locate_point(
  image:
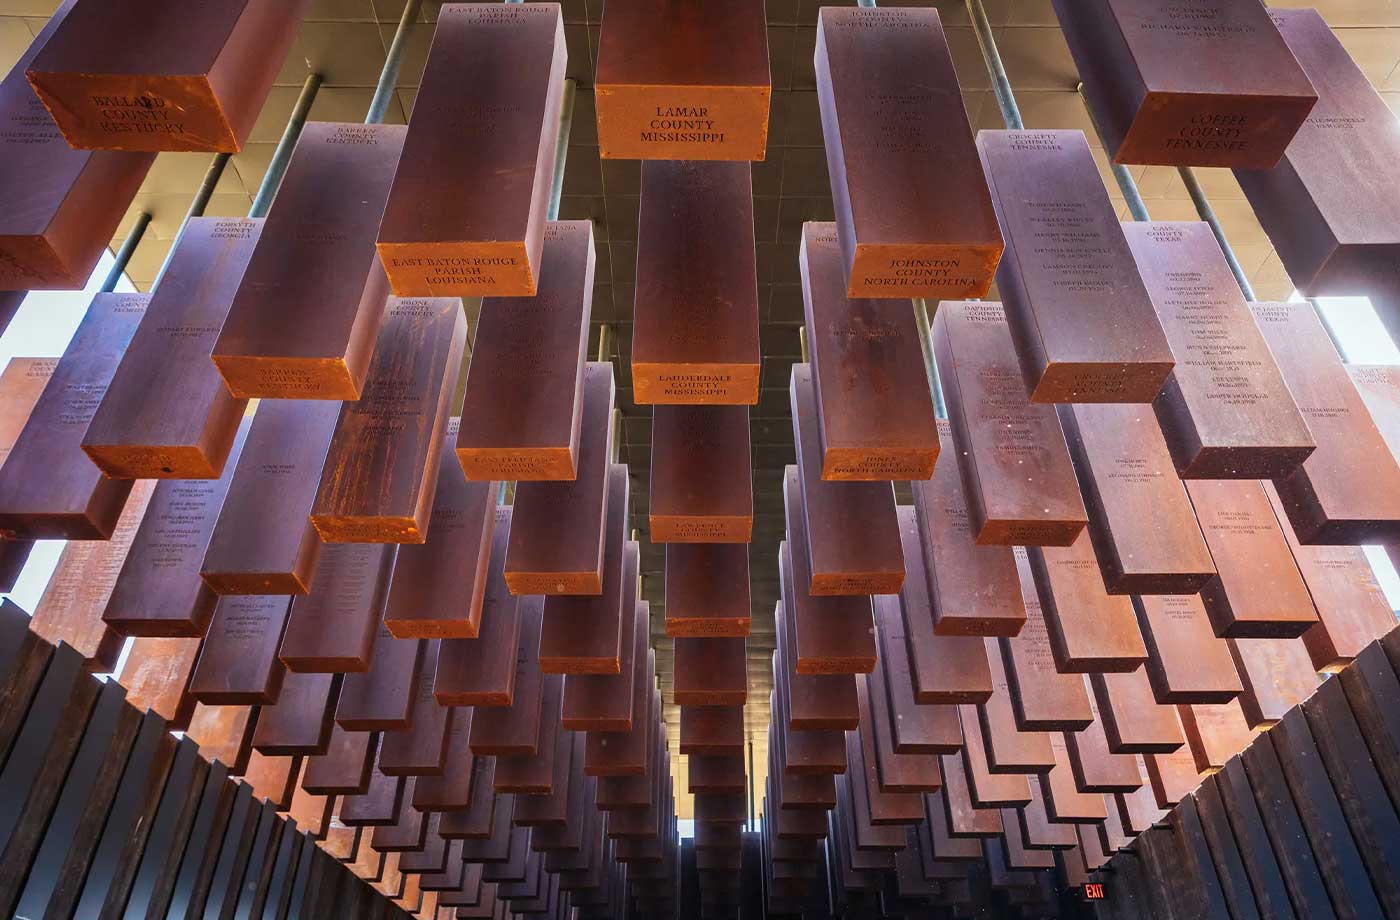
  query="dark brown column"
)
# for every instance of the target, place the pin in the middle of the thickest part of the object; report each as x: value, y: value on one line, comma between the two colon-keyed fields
x: 1090, y: 630
x: 1226, y: 411
x: 680, y: 82
x: 304, y: 321
x: 1257, y: 590
x: 1141, y: 525
x: 439, y: 585
x: 850, y: 532
x: 557, y: 538
x: 1165, y: 90
x: 49, y: 489
x: 701, y: 475
x: 129, y: 76
x: 332, y: 627
x: 159, y: 591
x: 931, y: 232
x: 481, y: 671
x: 466, y: 216
x: 380, y: 475
x: 695, y: 329
x: 524, y: 388
x: 1017, y: 476
x: 973, y: 589
x: 263, y: 541
x: 1084, y: 325
x: 63, y: 205
x: 1332, y: 218
x: 1348, y: 490
x: 166, y: 413
x: 862, y: 352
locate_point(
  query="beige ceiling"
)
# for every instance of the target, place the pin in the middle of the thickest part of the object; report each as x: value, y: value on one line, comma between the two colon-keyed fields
x: 345, y: 41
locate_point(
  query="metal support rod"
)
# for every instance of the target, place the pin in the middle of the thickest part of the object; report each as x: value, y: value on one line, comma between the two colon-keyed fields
x: 389, y: 76
x: 1126, y: 184
x: 1207, y: 213
x: 753, y: 825
x: 212, y: 175
x: 272, y: 179
x: 561, y: 149
x: 133, y: 239
x: 1001, y: 83
x: 940, y: 408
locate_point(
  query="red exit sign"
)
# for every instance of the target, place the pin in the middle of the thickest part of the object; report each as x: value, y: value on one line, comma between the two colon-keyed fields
x: 1093, y: 891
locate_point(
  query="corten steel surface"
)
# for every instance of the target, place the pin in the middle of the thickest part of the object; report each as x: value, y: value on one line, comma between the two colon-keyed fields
x: 451, y: 788
x: 380, y: 476
x: 898, y: 772
x: 1186, y: 663
x: 439, y: 584
x: 1089, y: 629
x: 466, y: 216
x: 1329, y: 206
x: 524, y: 386
x: 167, y: 414
x: 1166, y: 87
x: 1172, y: 776
x: 421, y: 749
x: 1277, y: 675
x: 583, y: 634
x: 965, y: 817
x: 380, y: 699
x: 911, y: 201
x: 301, y: 720
x: 695, y: 325
x: 62, y: 205
x: 304, y: 321
x: 707, y: 589
x: 683, y: 81
x: 1226, y: 411
x: 1017, y: 477
x: 850, y: 538
x: 1134, y: 722
x: 159, y: 591
x: 1348, y: 490
x: 1215, y: 733
x: 710, y: 671
x: 224, y: 733
x: 1083, y: 323
x: 70, y: 609
x: 21, y: 385
x: 1095, y: 767
x: 603, y: 702
x: 701, y: 478
x: 558, y: 539
x: 973, y: 589
x: 874, y: 409
x: 481, y: 671
x: 49, y: 489
x: 1064, y: 801
x: 332, y: 627
x: 1044, y: 698
x: 514, y: 729
x: 916, y: 728
x: 132, y: 75
x: 238, y: 662
x: 945, y: 668
x: 1257, y: 590
x: 831, y: 634
x: 263, y: 541
x: 1351, y: 608
x: 1141, y: 524
x: 810, y: 702
x: 155, y: 676
x: 1007, y: 748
